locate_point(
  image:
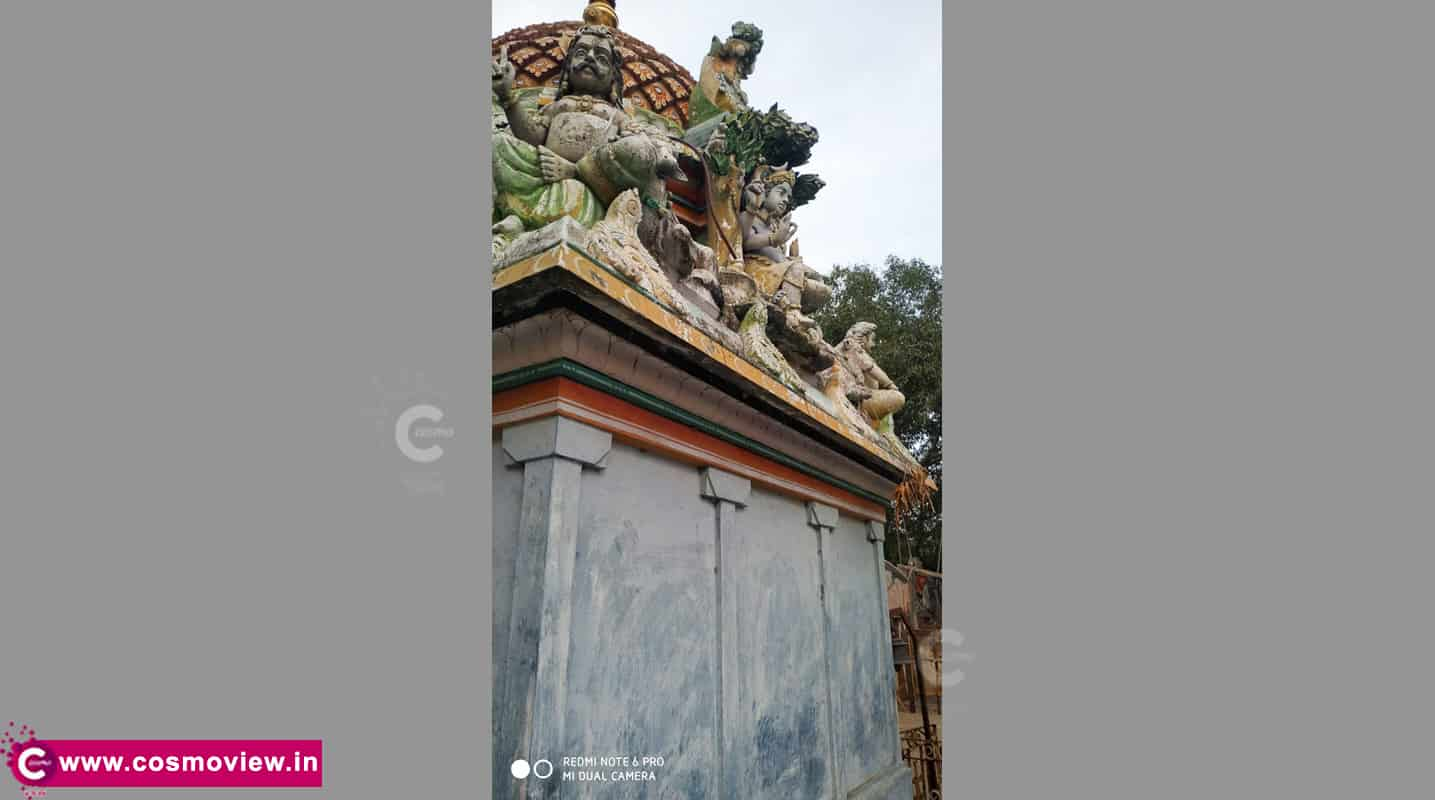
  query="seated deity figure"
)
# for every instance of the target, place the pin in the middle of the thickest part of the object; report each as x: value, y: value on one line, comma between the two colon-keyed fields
x: 573, y: 156
x: 782, y: 277
x: 868, y: 386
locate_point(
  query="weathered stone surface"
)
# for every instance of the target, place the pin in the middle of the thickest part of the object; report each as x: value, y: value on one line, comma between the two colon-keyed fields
x: 758, y: 347
x: 893, y: 783
x: 821, y: 516
x: 566, y: 230
x: 508, y: 486
x: 859, y: 656
x: 557, y: 436
x: 779, y: 731
x: 720, y: 485
x: 876, y: 531
x: 745, y: 647
x: 615, y: 242
x: 644, y: 657
x: 529, y: 698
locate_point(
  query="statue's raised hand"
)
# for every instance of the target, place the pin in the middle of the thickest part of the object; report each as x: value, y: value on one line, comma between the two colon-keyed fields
x: 503, y: 74
x: 784, y: 230
x: 555, y: 167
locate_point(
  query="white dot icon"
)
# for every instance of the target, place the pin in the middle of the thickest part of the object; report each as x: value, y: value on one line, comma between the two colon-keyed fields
x: 519, y: 769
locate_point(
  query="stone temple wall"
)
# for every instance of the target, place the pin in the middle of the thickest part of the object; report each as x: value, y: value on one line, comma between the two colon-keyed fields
x: 737, y: 632
x: 687, y: 554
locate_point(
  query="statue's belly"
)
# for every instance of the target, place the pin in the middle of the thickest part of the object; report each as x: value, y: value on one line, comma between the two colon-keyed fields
x: 573, y: 134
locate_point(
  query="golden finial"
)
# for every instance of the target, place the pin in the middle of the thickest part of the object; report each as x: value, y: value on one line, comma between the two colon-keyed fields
x: 602, y: 12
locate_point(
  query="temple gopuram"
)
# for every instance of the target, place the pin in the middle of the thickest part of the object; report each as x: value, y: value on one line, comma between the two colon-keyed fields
x: 691, y: 478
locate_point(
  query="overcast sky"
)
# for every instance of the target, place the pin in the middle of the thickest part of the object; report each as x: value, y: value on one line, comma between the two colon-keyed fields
x: 866, y: 75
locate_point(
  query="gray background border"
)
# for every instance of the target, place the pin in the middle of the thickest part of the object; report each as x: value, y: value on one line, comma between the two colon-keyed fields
x: 1188, y: 378
x: 1188, y: 398
x: 238, y: 239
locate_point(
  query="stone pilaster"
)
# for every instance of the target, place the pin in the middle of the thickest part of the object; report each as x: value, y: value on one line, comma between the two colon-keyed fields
x: 728, y: 493
x: 877, y: 535
x: 553, y: 453
x: 823, y: 519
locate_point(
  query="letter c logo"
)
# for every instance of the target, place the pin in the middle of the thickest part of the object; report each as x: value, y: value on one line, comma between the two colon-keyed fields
x: 22, y: 763
x: 403, y: 434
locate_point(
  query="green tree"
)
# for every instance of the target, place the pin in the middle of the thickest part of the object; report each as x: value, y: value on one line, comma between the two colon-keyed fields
x: 904, y: 300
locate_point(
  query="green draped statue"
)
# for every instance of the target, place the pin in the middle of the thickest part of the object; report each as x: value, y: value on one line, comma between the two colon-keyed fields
x: 574, y: 155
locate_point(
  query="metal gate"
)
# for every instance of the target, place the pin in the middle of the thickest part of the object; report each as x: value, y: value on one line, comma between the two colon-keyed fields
x: 921, y: 746
x: 922, y: 750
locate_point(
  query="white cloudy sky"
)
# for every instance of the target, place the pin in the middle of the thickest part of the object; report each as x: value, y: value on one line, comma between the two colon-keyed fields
x: 867, y: 75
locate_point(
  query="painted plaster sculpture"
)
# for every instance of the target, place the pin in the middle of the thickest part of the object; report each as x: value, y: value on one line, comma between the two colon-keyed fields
x: 576, y: 162
x: 576, y: 154
x: 771, y: 258
x: 751, y: 231
x: 724, y: 184
x: 767, y: 229
x: 614, y: 240
x: 869, y: 388
x: 760, y: 350
x: 727, y: 63
x: 866, y: 396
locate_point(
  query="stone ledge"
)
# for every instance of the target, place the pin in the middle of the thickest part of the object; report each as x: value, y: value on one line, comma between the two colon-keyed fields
x: 545, y: 279
x: 692, y: 440
x: 892, y: 783
x: 562, y: 343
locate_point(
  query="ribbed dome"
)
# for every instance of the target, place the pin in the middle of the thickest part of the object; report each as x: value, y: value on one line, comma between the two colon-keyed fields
x: 651, y: 80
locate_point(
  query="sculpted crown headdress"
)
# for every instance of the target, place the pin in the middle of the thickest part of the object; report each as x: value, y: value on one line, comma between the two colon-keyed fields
x: 602, y: 12
x: 769, y: 175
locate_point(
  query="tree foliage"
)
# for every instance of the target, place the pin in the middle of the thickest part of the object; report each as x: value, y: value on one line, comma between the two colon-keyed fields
x: 904, y: 300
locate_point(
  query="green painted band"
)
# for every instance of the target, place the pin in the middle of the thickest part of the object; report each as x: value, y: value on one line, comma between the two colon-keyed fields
x: 565, y: 368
